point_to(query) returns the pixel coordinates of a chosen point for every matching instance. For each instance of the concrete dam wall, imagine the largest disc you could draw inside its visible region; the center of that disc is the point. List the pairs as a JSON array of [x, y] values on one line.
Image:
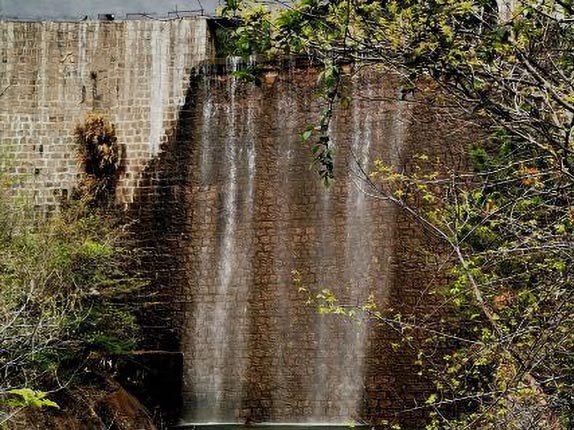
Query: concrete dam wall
[[222, 195]]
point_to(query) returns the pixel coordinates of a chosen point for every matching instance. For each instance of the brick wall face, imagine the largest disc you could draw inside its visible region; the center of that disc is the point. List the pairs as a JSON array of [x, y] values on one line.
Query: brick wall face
[[52, 74]]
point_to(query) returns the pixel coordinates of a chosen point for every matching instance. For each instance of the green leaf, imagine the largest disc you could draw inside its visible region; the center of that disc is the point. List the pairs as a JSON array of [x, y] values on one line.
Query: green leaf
[[29, 397]]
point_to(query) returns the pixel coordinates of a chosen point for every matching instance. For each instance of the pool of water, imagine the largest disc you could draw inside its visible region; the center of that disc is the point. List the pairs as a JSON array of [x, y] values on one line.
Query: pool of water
[[269, 426]]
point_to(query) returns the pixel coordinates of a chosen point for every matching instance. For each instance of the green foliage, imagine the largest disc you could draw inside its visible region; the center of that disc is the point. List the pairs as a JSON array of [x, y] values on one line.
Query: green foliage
[[513, 280], [64, 281], [272, 32], [325, 301], [23, 397], [250, 39], [247, 73]]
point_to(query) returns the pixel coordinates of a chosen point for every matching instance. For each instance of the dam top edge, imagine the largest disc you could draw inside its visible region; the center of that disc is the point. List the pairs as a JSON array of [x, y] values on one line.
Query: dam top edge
[[117, 20]]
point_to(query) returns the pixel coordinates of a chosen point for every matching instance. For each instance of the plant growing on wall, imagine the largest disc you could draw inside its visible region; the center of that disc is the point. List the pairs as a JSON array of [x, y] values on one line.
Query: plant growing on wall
[[98, 156]]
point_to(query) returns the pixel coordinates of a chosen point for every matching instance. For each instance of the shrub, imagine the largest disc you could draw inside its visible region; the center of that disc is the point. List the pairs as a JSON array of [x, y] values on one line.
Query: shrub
[[98, 156], [64, 288]]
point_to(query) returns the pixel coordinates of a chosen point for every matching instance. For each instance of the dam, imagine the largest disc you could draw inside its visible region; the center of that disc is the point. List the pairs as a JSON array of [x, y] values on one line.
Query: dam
[[222, 196]]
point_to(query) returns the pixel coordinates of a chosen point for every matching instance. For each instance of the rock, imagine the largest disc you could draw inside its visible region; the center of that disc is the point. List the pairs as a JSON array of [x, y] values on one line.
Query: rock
[[103, 405]]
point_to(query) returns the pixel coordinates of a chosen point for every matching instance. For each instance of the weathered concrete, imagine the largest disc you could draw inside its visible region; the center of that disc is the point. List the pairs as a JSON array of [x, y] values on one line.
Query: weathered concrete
[[52, 74]]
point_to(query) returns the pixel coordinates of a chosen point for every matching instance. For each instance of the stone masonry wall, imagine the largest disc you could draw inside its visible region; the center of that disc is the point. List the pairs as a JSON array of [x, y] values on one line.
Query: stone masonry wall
[[222, 196], [52, 74]]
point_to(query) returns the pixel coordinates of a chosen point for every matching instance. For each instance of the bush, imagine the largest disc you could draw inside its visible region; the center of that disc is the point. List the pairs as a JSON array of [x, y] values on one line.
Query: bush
[[98, 156], [64, 284]]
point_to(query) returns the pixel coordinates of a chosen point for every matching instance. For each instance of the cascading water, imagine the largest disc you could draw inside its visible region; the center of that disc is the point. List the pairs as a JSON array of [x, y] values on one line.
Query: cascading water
[[227, 259], [253, 350], [218, 358]]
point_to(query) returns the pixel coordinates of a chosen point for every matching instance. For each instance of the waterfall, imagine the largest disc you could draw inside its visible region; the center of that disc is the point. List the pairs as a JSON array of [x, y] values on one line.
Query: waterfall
[[228, 172], [200, 374], [253, 350], [358, 255]]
